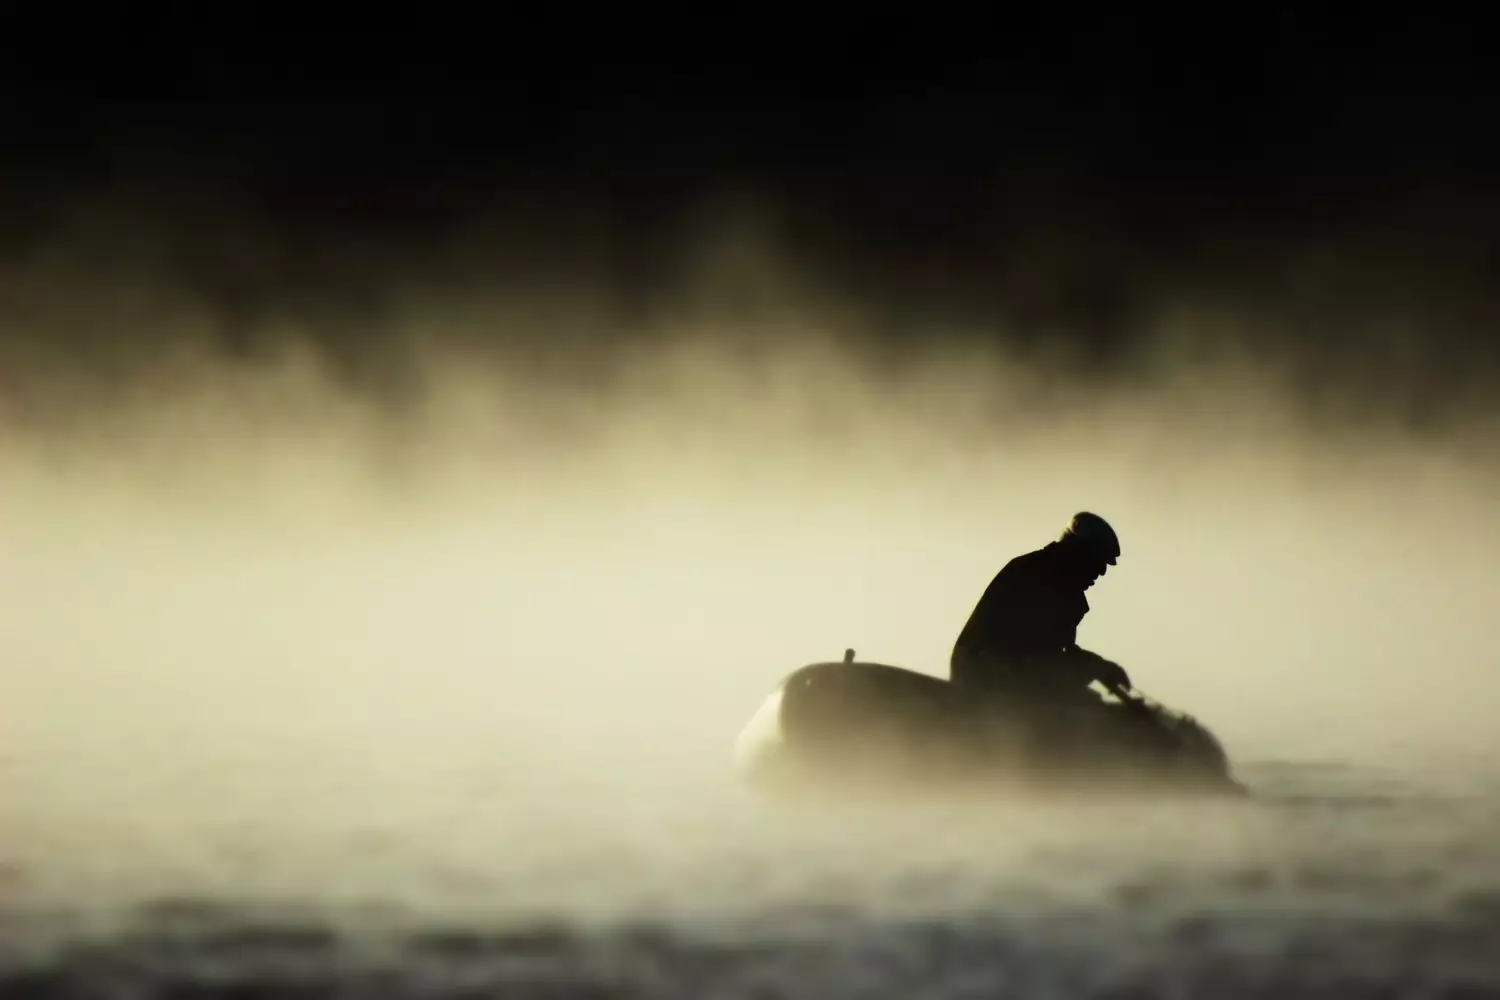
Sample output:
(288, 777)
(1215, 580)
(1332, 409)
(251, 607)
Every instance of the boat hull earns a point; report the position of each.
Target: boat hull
(870, 727)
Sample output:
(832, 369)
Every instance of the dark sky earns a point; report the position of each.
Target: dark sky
(1065, 172)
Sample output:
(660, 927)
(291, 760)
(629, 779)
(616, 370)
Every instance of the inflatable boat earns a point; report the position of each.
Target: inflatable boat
(860, 727)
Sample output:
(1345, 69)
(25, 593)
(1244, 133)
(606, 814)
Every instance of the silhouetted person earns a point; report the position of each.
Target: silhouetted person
(1021, 639)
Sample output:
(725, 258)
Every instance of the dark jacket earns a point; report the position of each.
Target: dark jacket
(1024, 624)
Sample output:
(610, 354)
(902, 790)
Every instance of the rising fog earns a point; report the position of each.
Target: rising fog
(536, 545)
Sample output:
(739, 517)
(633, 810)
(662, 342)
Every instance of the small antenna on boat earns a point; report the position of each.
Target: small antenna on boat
(848, 656)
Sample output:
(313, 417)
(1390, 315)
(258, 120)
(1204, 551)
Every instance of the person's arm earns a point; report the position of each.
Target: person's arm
(1106, 672)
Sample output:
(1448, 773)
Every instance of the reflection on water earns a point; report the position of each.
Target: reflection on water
(1334, 881)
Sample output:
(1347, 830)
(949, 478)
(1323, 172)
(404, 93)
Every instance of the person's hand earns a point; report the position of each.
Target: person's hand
(1112, 676)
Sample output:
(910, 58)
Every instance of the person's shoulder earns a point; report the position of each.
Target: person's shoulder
(1028, 561)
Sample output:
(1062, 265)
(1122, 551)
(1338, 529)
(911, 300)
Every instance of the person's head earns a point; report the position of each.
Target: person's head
(1091, 545)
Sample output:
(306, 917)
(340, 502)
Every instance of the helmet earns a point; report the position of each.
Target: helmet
(1095, 535)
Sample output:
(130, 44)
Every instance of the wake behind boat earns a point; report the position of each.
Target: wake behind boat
(862, 727)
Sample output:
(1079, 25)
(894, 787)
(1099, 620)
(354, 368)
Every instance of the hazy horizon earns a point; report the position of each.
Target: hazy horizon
(639, 537)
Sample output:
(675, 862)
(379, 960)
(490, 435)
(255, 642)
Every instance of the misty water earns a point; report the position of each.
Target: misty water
(311, 692)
